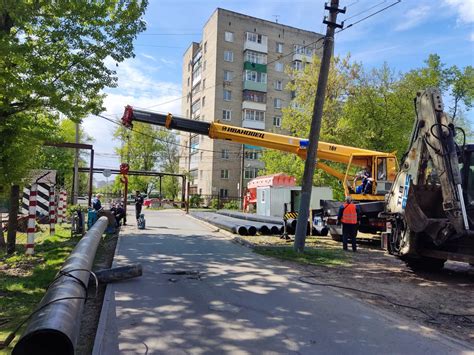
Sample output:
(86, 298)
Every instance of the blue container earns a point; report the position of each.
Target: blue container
(304, 143)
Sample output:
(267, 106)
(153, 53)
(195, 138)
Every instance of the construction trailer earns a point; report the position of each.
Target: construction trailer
(271, 200)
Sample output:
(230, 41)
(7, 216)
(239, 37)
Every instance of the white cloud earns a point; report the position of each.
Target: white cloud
(464, 9)
(167, 62)
(372, 54)
(136, 87)
(148, 56)
(413, 18)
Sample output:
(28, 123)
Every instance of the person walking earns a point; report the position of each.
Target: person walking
(96, 204)
(349, 216)
(138, 204)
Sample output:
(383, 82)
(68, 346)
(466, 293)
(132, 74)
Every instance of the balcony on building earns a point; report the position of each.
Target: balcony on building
(255, 80)
(254, 119)
(254, 100)
(256, 42)
(302, 53)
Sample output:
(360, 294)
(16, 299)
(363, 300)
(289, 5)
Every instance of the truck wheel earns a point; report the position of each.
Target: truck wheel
(336, 237)
(425, 264)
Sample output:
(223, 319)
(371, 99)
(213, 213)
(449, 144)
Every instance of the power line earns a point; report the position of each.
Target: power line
(365, 11)
(369, 16)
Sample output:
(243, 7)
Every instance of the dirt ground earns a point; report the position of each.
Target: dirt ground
(442, 300)
(93, 307)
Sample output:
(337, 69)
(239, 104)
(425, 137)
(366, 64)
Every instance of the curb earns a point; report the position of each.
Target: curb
(99, 336)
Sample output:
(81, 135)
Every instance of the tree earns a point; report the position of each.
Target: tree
(342, 81)
(371, 109)
(149, 148)
(52, 60)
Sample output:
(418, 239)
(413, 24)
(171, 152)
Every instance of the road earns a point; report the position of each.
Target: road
(202, 294)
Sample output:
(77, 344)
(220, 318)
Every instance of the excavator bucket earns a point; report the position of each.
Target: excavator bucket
(424, 212)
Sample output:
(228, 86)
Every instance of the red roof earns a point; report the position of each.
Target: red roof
(274, 180)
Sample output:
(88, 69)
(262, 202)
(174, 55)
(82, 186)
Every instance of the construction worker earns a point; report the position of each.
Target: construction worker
(349, 216)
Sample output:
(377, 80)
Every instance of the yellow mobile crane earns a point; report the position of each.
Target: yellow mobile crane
(383, 167)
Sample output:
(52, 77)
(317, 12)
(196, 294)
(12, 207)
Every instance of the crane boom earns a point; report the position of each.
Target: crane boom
(350, 156)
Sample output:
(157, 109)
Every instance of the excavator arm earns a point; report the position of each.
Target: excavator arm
(355, 157)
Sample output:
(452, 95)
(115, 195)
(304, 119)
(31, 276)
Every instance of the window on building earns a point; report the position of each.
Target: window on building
(196, 106)
(255, 57)
(201, 155)
(277, 103)
(225, 153)
(189, 79)
(277, 121)
(194, 144)
(228, 75)
(255, 96)
(193, 174)
(223, 193)
(200, 174)
(254, 115)
(301, 49)
(226, 115)
(250, 173)
(227, 95)
(279, 66)
(279, 47)
(229, 36)
(255, 76)
(203, 101)
(279, 85)
(205, 47)
(224, 173)
(203, 84)
(297, 65)
(252, 154)
(196, 89)
(255, 37)
(228, 56)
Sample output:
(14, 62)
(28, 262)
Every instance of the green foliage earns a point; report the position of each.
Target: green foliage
(232, 205)
(148, 147)
(195, 200)
(75, 208)
(52, 60)
(367, 109)
(214, 203)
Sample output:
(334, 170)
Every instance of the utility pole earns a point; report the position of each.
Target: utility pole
(76, 168)
(311, 155)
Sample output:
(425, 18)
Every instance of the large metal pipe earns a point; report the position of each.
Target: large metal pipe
(54, 328)
(251, 217)
(224, 223)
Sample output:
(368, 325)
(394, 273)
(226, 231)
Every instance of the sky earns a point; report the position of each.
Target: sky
(402, 36)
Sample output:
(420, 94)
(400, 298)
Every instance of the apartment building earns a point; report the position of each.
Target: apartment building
(236, 75)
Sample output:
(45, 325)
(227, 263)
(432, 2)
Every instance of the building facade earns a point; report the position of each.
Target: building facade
(236, 75)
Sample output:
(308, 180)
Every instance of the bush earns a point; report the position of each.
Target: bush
(214, 203)
(195, 201)
(232, 205)
(74, 208)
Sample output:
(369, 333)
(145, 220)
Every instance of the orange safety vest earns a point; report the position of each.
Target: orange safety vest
(349, 215)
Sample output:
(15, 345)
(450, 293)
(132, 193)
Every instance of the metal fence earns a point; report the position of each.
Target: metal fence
(215, 201)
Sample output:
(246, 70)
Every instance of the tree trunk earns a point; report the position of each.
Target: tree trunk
(2, 239)
(13, 218)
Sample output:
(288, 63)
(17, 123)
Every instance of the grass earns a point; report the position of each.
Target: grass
(23, 279)
(311, 256)
(318, 250)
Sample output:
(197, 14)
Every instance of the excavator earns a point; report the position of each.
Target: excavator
(419, 205)
(430, 207)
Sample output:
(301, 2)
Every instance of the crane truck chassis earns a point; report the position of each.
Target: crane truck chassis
(424, 231)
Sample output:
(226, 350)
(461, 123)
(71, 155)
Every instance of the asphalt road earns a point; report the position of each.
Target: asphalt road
(202, 294)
